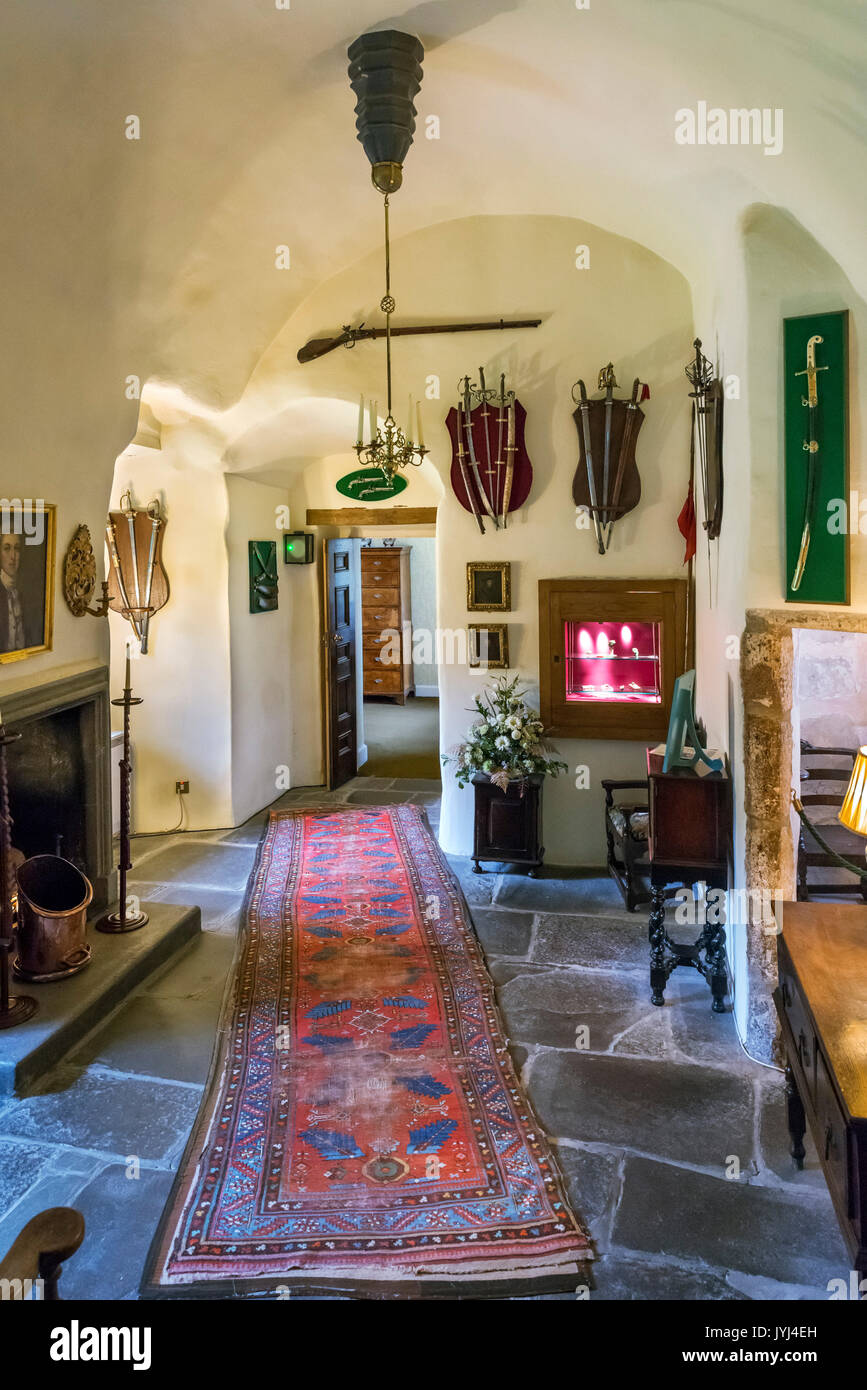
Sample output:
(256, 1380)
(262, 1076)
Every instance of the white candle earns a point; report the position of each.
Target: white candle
(418, 419)
(373, 426)
(361, 419)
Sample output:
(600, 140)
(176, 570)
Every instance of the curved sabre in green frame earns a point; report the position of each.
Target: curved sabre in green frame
(825, 577)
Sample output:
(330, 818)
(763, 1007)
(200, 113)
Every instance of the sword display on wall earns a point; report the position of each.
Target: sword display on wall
(811, 448)
(491, 473)
(606, 484)
(707, 423)
(318, 347)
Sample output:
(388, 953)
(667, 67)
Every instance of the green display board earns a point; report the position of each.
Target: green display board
(370, 485)
(825, 576)
(262, 556)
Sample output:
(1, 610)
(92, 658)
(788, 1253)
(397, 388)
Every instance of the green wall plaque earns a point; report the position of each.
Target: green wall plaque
(263, 576)
(370, 485)
(817, 457)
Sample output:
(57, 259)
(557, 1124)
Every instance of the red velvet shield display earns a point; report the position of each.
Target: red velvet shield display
(491, 473)
(364, 1129)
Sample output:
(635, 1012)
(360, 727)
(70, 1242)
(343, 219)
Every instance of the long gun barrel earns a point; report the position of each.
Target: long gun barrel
(318, 347)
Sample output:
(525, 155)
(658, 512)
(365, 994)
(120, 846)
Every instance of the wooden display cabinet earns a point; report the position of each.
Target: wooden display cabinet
(609, 653)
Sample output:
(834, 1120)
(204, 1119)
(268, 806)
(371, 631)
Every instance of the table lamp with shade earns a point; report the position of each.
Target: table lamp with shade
(852, 814)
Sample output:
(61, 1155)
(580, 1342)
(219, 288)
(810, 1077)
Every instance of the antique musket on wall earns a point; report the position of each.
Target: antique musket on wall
(318, 347)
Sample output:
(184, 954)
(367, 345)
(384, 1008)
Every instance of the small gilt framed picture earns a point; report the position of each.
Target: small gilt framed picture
(26, 579)
(489, 586)
(488, 645)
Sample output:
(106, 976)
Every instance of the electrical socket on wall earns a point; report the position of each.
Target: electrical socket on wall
(182, 788)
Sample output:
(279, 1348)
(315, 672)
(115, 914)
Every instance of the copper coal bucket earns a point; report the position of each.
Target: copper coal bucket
(53, 898)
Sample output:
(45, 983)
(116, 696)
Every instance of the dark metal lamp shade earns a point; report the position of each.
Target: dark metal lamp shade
(385, 72)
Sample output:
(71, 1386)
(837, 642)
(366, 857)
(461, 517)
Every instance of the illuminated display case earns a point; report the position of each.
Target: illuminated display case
(609, 654)
(614, 662)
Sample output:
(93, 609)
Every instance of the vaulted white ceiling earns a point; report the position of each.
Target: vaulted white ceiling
(166, 245)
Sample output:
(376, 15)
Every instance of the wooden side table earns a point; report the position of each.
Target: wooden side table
(690, 834)
(508, 824)
(821, 1002)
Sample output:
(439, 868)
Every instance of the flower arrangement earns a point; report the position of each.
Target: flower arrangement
(507, 742)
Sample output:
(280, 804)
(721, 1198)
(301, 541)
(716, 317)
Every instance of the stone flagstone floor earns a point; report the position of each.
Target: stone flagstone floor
(671, 1139)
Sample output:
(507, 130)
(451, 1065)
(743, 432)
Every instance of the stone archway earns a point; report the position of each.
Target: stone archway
(767, 672)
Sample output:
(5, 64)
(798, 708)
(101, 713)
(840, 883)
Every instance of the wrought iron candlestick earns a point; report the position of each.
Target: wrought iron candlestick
(14, 1009)
(122, 920)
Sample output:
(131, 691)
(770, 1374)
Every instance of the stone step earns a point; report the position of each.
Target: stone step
(70, 1009)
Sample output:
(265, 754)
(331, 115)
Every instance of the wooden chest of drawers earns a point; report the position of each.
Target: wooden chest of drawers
(821, 1001)
(386, 622)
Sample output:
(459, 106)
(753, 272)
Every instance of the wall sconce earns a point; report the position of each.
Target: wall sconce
(79, 577)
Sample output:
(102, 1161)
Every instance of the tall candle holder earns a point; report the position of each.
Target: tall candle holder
(122, 920)
(14, 1009)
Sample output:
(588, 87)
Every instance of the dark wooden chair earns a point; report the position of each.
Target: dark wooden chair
(626, 834)
(830, 783)
(38, 1253)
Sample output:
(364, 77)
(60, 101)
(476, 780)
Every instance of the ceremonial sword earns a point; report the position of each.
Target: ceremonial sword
(115, 560)
(811, 446)
(468, 422)
(584, 407)
(607, 382)
(129, 513)
(465, 478)
(156, 523)
(625, 440)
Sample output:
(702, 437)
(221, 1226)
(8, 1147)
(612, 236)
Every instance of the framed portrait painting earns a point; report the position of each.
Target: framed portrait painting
(26, 578)
(489, 586)
(488, 645)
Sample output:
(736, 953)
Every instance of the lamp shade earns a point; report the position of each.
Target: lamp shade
(385, 72)
(853, 812)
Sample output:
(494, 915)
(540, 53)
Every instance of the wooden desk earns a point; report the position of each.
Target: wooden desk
(821, 1001)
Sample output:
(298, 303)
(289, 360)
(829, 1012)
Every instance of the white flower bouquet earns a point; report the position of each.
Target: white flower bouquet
(507, 743)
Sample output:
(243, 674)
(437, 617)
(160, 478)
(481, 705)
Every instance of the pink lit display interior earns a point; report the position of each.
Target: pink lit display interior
(614, 662)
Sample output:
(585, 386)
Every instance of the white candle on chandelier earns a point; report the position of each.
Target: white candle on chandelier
(418, 421)
(373, 425)
(361, 419)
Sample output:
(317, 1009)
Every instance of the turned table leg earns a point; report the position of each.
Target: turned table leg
(656, 937)
(796, 1118)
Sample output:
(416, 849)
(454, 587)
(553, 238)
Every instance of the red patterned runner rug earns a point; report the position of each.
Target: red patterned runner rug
(364, 1129)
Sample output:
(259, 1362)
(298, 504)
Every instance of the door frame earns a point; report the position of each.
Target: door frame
(378, 524)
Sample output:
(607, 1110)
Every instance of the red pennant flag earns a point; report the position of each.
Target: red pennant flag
(686, 525)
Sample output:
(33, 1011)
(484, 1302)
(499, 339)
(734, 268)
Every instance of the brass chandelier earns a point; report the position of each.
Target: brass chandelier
(385, 73)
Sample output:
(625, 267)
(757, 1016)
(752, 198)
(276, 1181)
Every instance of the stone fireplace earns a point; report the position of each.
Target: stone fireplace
(60, 773)
(767, 684)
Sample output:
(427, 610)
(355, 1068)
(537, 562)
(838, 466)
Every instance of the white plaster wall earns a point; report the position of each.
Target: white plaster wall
(631, 307)
(423, 589)
(260, 652)
(183, 730)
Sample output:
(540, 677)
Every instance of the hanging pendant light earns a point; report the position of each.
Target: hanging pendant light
(385, 73)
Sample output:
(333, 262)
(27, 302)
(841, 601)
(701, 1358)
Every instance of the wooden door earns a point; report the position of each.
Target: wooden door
(339, 638)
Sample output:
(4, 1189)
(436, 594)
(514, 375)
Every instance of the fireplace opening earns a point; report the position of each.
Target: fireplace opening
(47, 787)
(829, 725)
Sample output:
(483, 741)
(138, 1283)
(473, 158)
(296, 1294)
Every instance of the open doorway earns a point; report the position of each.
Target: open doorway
(380, 675)
(398, 675)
